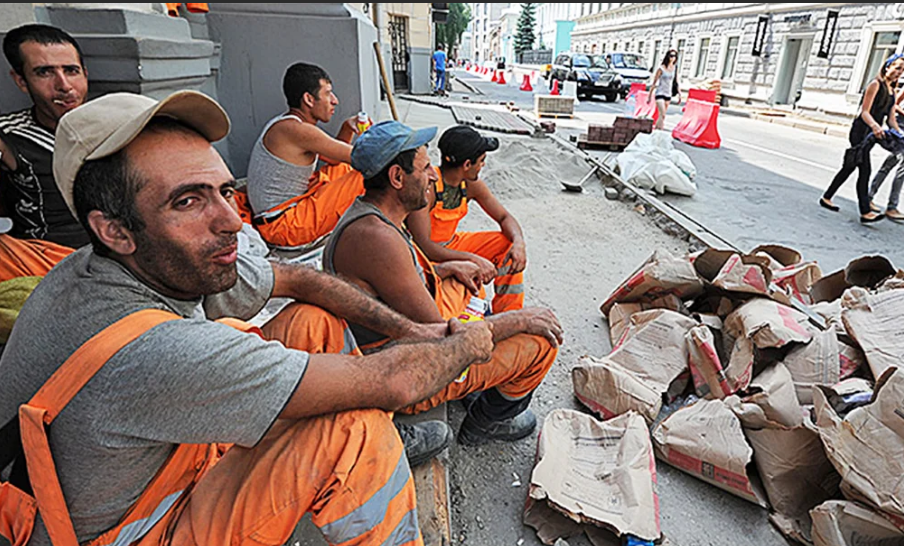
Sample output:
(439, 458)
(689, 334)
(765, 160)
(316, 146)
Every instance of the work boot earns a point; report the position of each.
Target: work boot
(509, 430)
(424, 441)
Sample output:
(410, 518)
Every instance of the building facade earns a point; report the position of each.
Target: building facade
(484, 19)
(555, 23)
(813, 57)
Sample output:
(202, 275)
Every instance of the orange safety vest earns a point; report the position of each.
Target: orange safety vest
(162, 500)
(444, 221)
(173, 9)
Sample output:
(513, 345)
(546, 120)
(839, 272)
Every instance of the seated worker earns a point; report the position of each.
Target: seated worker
(293, 203)
(158, 396)
(47, 65)
(499, 255)
(371, 249)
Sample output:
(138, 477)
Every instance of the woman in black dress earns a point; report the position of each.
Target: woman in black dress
(875, 110)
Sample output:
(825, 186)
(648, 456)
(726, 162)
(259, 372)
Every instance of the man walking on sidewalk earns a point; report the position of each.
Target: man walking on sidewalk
(439, 68)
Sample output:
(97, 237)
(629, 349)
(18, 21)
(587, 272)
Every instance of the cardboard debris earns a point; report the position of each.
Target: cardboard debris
(781, 256)
(651, 356)
(599, 473)
(705, 364)
(769, 324)
(706, 441)
(797, 280)
(868, 272)
(851, 359)
(816, 363)
(732, 272)
(866, 446)
(662, 275)
(773, 391)
(831, 312)
(875, 322)
(843, 523)
(621, 313)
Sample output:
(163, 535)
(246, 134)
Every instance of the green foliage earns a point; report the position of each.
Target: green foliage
(449, 34)
(525, 36)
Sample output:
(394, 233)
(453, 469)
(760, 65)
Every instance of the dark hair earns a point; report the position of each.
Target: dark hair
(303, 78)
(668, 55)
(42, 34)
(111, 185)
(380, 182)
(887, 64)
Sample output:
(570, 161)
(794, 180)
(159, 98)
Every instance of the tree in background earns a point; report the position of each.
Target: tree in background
(449, 33)
(525, 36)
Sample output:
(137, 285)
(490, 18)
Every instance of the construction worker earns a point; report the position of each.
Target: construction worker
(46, 64)
(370, 248)
(294, 202)
(501, 256)
(158, 396)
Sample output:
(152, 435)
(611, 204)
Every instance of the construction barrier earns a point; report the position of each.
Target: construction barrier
(555, 88)
(526, 85)
(705, 95)
(643, 107)
(501, 79)
(635, 87)
(495, 76)
(699, 125)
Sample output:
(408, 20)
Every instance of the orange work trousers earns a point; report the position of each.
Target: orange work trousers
(173, 9)
(28, 258)
(311, 217)
(494, 246)
(348, 470)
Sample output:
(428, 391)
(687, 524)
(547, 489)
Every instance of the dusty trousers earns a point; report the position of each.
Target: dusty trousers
(31, 258)
(310, 217)
(494, 246)
(348, 470)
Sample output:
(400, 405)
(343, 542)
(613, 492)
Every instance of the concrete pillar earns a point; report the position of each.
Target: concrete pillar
(259, 41)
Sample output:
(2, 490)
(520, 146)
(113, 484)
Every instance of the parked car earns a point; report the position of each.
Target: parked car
(632, 67)
(592, 74)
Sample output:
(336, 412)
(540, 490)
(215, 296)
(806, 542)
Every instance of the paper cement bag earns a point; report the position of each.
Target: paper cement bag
(866, 447)
(781, 256)
(851, 359)
(876, 323)
(610, 390)
(816, 363)
(740, 365)
(735, 273)
(773, 391)
(843, 523)
(797, 280)
(705, 364)
(621, 313)
(599, 473)
(768, 324)
(868, 272)
(706, 441)
(662, 275)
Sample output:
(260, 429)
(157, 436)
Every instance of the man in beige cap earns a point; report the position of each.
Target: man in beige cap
(311, 432)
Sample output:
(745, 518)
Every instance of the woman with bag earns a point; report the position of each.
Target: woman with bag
(665, 86)
(876, 108)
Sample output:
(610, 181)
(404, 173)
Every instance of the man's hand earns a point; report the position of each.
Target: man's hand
(518, 258)
(543, 323)
(476, 338)
(426, 332)
(487, 270)
(466, 273)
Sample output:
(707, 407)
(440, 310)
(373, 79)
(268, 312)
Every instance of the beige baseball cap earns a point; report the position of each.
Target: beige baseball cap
(108, 124)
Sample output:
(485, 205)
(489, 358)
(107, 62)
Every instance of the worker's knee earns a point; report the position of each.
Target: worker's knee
(311, 329)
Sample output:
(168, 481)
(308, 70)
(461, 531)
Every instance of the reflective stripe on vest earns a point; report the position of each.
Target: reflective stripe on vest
(443, 221)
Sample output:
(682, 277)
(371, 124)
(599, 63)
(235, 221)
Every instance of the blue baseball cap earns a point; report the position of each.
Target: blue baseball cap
(383, 142)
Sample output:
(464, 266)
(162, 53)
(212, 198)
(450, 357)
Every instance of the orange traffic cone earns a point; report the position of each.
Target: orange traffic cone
(555, 88)
(526, 86)
(495, 76)
(501, 80)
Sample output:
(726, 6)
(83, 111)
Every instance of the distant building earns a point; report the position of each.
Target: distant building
(811, 56)
(484, 17)
(465, 48)
(508, 29)
(555, 22)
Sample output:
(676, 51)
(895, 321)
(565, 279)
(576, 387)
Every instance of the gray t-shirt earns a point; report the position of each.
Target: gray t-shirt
(189, 381)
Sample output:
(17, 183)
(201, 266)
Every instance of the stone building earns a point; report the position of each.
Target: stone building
(813, 57)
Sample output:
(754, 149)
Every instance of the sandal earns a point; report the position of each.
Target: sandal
(826, 204)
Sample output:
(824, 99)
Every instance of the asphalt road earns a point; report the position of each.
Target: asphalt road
(762, 185)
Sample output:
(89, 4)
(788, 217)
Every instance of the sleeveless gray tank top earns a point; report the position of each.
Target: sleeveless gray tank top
(664, 88)
(273, 181)
(361, 209)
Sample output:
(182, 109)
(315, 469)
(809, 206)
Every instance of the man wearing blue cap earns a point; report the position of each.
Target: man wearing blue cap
(372, 249)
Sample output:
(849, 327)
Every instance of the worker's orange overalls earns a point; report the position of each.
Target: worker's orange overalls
(173, 9)
(450, 208)
(31, 258)
(311, 217)
(348, 469)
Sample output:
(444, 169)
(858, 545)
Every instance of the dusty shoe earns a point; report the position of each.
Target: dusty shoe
(518, 427)
(424, 441)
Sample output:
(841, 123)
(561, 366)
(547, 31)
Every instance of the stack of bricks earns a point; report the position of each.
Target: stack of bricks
(622, 133)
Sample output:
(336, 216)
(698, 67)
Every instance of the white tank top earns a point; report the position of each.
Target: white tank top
(273, 181)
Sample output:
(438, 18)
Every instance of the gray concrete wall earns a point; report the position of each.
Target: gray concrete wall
(259, 41)
(421, 71)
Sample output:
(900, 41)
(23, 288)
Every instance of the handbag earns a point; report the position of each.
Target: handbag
(675, 90)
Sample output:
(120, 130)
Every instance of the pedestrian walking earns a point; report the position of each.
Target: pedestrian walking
(439, 68)
(875, 110)
(893, 160)
(665, 86)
